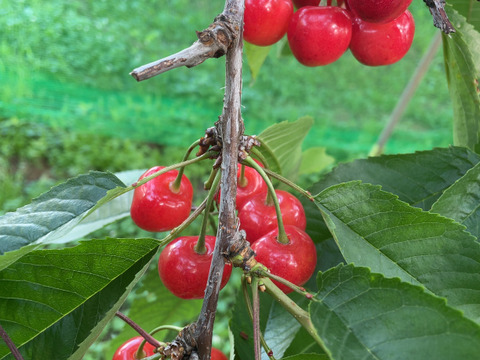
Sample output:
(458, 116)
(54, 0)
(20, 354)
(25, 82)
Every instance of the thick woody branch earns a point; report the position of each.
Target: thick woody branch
(440, 18)
(212, 43)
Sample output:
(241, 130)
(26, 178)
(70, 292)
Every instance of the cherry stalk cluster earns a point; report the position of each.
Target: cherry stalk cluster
(376, 32)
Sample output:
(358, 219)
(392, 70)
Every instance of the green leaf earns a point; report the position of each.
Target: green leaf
(315, 160)
(418, 179)
(154, 305)
(461, 201)
(256, 56)
(374, 229)
(282, 145)
(50, 216)
(303, 343)
(470, 9)
(55, 303)
(362, 315)
(307, 357)
(461, 53)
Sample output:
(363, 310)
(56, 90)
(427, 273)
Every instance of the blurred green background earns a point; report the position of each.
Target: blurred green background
(68, 104)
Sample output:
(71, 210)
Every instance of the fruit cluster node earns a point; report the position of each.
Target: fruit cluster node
(240, 253)
(183, 345)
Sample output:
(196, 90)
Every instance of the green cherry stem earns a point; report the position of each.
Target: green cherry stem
(139, 352)
(263, 272)
(256, 319)
(290, 183)
(282, 235)
(260, 157)
(208, 184)
(200, 245)
(175, 185)
(242, 180)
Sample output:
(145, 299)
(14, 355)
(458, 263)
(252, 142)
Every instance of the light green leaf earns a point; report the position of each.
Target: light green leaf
(282, 145)
(154, 305)
(50, 216)
(461, 201)
(256, 56)
(315, 160)
(461, 53)
(418, 178)
(55, 303)
(362, 315)
(470, 9)
(374, 229)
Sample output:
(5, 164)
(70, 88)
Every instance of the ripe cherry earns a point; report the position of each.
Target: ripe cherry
(184, 271)
(217, 355)
(319, 35)
(379, 11)
(377, 44)
(294, 261)
(258, 218)
(157, 206)
(128, 350)
(266, 21)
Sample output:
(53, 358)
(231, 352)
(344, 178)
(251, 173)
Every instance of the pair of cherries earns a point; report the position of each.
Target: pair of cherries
(158, 205)
(378, 32)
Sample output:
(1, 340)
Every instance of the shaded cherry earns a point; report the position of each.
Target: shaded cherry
(319, 35)
(217, 355)
(266, 21)
(157, 205)
(375, 44)
(128, 350)
(379, 11)
(258, 218)
(183, 271)
(295, 261)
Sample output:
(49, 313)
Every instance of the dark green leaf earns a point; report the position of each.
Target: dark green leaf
(256, 56)
(55, 303)
(374, 229)
(418, 179)
(362, 315)
(303, 343)
(461, 201)
(470, 9)
(53, 214)
(282, 145)
(461, 53)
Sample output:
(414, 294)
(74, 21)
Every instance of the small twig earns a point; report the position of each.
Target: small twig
(440, 18)
(256, 319)
(13, 348)
(150, 339)
(212, 42)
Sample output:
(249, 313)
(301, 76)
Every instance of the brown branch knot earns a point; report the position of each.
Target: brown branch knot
(183, 345)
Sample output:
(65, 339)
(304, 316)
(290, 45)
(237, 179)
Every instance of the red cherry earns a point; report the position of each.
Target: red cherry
(257, 218)
(266, 21)
(156, 206)
(129, 348)
(185, 272)
(378, 11)
(217, 355)
(319, 35)
(375, 44)
(294, 261)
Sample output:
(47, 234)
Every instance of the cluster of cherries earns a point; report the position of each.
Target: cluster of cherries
(377, 32)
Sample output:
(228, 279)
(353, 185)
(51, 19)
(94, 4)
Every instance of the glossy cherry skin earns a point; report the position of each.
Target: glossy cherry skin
(378, 11)
(319, 35)
(129, 348)
(217, 355)
(266, 21)
(156, 207)
(185, 272)
(258, 218)
(295, 261)
(375, 44)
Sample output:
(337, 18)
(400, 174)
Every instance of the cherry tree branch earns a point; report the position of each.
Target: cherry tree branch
(440, 18)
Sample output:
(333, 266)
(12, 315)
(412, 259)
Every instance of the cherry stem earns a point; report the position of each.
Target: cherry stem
(208, 184)
(260, 270)
(200, 245)
(149, 338)
(290, 183)
(256, 319)
(174, 233)
(139, 352)
(175, 185)
(10, 344)
(267, 349)
(242, 181)
(260, 156)
(282, 235)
